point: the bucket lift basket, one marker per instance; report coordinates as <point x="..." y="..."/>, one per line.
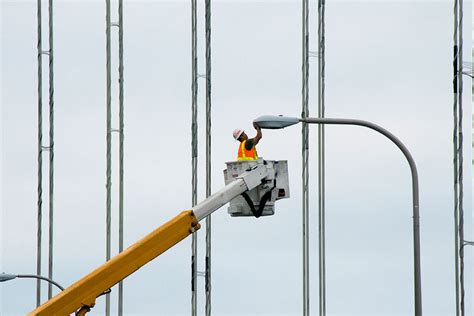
<point x="261" y="200"/>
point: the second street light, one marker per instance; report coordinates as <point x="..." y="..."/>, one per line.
<point x="278" y="122"/>
<point x="7" y="277"/>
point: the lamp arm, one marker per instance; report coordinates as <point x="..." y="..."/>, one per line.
<point x="32" y="276"/>
<point x="415" y="190"/>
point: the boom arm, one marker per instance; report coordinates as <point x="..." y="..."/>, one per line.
<point x="81" y="296"/>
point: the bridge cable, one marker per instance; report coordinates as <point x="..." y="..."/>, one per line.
<point x="194" y="151"/>
<point x="208" y="154"/>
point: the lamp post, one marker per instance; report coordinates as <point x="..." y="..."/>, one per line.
<point x="278" y="122"/>
<point x="7" y="277"/>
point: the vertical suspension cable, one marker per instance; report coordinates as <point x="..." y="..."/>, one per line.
<point x="109" y="147"/>
<point x="40" y="155"/>
<point x="321" y="160"/>
<point x="51" y="150"/>
<point x="208" y="155"/>
<point x="460" y="159"/>
<point x="194" y="155"/>
<point x="455" y="155"/>
<point x="121" y="149"/>
<point x="305" y="156"/>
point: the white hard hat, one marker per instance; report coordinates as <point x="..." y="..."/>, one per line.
<point x="237" y="133"/>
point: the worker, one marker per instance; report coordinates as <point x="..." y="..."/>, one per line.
<point x="247" y="150"/>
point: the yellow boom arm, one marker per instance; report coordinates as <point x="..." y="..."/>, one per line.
<point x="81" y="295"/>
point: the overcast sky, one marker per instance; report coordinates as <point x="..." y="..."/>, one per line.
<point x="386" y="62"/>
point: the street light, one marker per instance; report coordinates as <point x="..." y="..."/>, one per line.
<point x="277" y="122"/>
<point x="7" y="277"/>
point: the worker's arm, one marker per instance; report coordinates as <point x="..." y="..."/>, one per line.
<point x="257" y="138"/>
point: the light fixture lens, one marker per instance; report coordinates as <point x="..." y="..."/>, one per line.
<point x="275" y="122"/>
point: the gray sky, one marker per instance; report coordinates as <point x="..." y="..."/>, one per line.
<point x="387" y="62"/>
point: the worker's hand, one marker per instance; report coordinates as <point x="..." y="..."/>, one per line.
<point x="255" y="125"/>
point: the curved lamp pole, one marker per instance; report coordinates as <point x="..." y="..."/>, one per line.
<point x="278" y="122"/>
<point x="7" y="277"/>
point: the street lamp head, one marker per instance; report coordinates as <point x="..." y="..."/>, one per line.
<point x="275" y="121"/>
<point x="7" y="277"/>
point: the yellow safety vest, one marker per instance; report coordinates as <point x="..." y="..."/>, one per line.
<point x="245" y="154"/>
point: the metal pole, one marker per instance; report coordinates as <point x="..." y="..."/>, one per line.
<point x="194" y="156"/>
<point x="455" y="155"/>
<point x="305" y="157"/>
<point x="208" y="155"/>
<point x="51" y="149"/>
<point x="321" y="162"/>
<point x="109" y="148"/>
<point x="414" y="175"/>
<point x="121" y="149"/>
<point x="40" y="155"/>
